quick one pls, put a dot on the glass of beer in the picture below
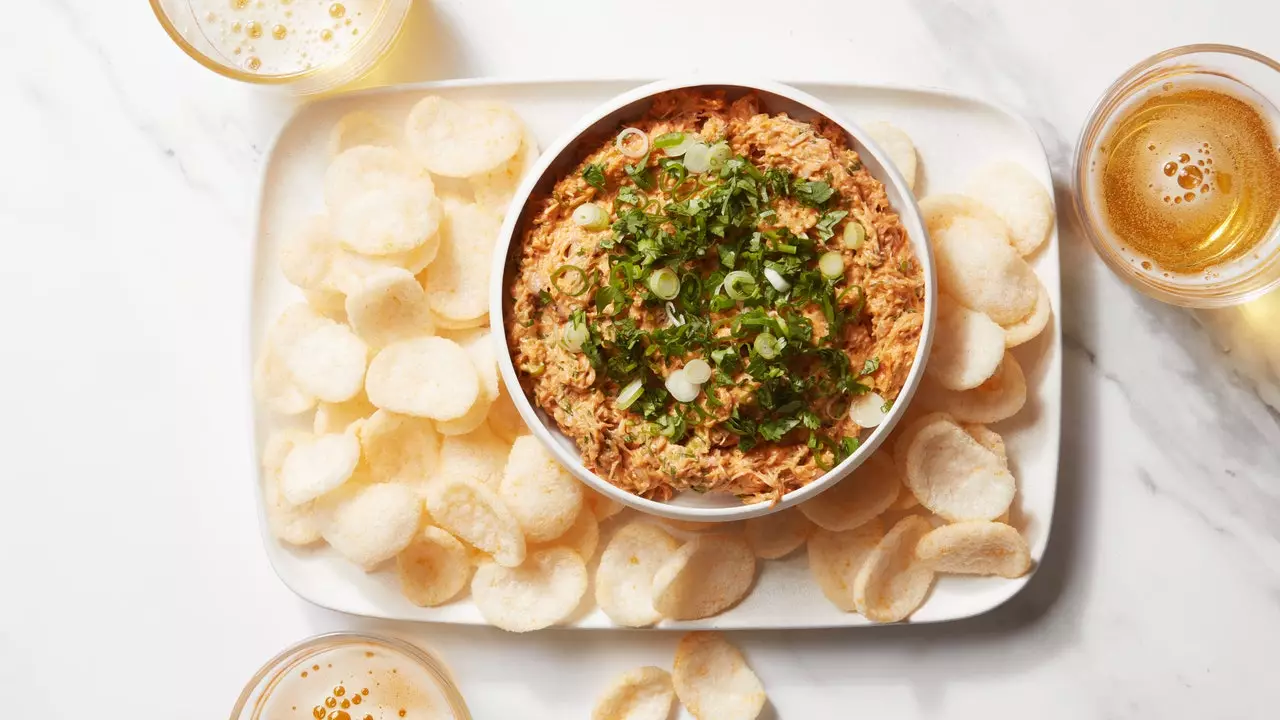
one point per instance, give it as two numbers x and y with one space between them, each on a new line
1177 176
307 45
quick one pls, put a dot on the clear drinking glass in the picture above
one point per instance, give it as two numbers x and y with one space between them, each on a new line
308 45
1235 71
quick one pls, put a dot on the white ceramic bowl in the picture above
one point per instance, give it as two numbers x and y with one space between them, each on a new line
567 151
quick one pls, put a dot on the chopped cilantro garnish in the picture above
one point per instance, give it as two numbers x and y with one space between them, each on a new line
593 173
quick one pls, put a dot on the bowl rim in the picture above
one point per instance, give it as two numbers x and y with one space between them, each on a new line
907 209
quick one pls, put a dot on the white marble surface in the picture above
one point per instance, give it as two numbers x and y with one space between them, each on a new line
132 582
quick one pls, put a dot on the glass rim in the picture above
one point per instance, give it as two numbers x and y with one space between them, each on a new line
1252 283
230 71
327 641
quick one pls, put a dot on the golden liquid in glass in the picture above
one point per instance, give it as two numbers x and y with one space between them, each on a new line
1190 178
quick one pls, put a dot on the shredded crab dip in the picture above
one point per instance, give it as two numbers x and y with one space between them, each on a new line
704 299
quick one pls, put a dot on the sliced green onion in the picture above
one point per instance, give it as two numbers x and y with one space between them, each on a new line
697 159
664 283
867 410
564 287
672 317
668 140
697 371
782 325
831 264
630 149
719 154
775 279
681 388
769 346
739 285
785 248
535 369
630 393
854 234
573 336
591 216
687 140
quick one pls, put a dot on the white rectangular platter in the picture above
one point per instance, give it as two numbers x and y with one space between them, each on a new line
953 135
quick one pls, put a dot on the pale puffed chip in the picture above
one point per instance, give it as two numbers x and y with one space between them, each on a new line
892 583
505 419
955 477
337 417
583 535
976 264
836 557
543 591
777 534
989 439
328 361
1029 327
461 140
329 303
478 342
398 448
644 693
433 568
392 220
273 382
602 506
389 306
1000 397
477 457
543 496
473 418
475 514
458 279
368 524
1019 199
307 252
317 466
495 188
427 377
895 142
858 498
361 128
705 576
370 168
967 347
713 681
624 579
693 526
290 523
976 548
906 432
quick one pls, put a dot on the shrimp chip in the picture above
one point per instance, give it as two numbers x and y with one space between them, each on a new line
706 576
713 681
389 306
1000 397
458 279
318 465
273 382
895 142
955 477
857 499
543 496
476 457
391 220
505 420
425 377
624 579
337 417
976 548
474 514
836 557
433 568
989 439
1030 327
976 263
398 448
602 506
967 348
543 591
473 418
892 583
368 524
361 128
1019 199
495 188
306 254
778 534
328 361
461 140
364 168
644 693
290 523
583 535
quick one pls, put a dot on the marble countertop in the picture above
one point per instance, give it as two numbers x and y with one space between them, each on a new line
134 583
